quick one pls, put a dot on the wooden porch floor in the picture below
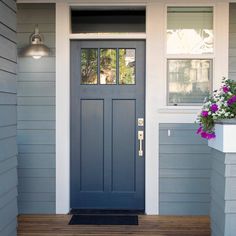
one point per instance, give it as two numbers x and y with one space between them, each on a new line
49 225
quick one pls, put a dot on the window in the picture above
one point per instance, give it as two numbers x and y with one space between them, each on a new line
110 66
189 80
190 47
108 21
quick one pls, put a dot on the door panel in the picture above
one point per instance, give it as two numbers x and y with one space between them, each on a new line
107 98
123 137
91 156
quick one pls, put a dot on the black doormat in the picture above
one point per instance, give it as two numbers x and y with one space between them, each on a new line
104 220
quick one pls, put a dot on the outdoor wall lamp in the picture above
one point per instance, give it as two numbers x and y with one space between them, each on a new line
36 49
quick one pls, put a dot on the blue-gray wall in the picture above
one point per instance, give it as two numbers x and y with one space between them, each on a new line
184 171
36 113
8 147
218 193
232 41
223 193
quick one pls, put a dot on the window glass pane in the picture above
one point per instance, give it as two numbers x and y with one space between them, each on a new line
188 81
107 66
89 64
126 66
108 21
190 30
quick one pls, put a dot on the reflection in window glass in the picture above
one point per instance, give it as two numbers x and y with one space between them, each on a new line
89 66
190 30
107 66
126 66
188 81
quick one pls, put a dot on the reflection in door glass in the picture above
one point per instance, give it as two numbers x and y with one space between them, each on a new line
107 66
89 66
126 66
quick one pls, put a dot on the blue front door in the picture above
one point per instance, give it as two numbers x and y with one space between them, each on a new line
107 108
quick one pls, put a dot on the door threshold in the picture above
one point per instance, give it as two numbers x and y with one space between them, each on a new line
104 212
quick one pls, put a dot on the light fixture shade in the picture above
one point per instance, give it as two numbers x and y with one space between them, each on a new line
36 49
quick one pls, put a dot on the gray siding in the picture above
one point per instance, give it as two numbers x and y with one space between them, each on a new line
8 147
223 193
232 41
36 113
184 171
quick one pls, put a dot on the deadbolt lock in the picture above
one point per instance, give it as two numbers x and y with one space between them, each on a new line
140 122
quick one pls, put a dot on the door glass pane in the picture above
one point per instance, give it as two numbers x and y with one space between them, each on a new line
126 66
89 65
107 66
190 30
188 81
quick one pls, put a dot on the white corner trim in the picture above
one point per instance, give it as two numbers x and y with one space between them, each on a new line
221 27
225 138
62 109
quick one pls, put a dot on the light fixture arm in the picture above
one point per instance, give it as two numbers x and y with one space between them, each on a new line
36 37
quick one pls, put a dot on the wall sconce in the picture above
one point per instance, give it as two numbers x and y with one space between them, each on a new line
36 49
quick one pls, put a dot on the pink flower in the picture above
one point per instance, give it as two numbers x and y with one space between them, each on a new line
208 135
204 134
199 130
214 107
211 136
225 89
204 113
231 100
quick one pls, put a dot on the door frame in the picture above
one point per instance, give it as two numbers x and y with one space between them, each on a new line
63 38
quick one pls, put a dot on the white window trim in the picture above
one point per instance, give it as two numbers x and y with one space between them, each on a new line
108 36
210 56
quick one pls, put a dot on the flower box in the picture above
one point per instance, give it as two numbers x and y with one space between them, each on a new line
225 140
219 109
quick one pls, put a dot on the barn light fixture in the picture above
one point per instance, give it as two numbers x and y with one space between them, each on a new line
36 49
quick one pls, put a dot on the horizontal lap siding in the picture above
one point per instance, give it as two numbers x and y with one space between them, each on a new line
36 113
184 171
232 41
8 147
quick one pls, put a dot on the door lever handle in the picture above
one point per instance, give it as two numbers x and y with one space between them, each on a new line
140 138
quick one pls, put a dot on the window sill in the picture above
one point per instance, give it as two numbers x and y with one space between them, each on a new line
180 109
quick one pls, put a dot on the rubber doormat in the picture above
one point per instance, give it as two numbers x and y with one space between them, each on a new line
104 220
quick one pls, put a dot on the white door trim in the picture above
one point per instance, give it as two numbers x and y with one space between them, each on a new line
62 109
63 37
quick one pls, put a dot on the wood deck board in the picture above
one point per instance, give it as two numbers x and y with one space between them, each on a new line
45 225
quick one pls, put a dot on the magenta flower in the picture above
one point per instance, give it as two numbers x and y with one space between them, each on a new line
214 107
204 113
211 136
208 135
225 89
199 130
204 134
231 100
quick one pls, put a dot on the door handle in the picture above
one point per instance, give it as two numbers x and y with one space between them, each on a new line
140 138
